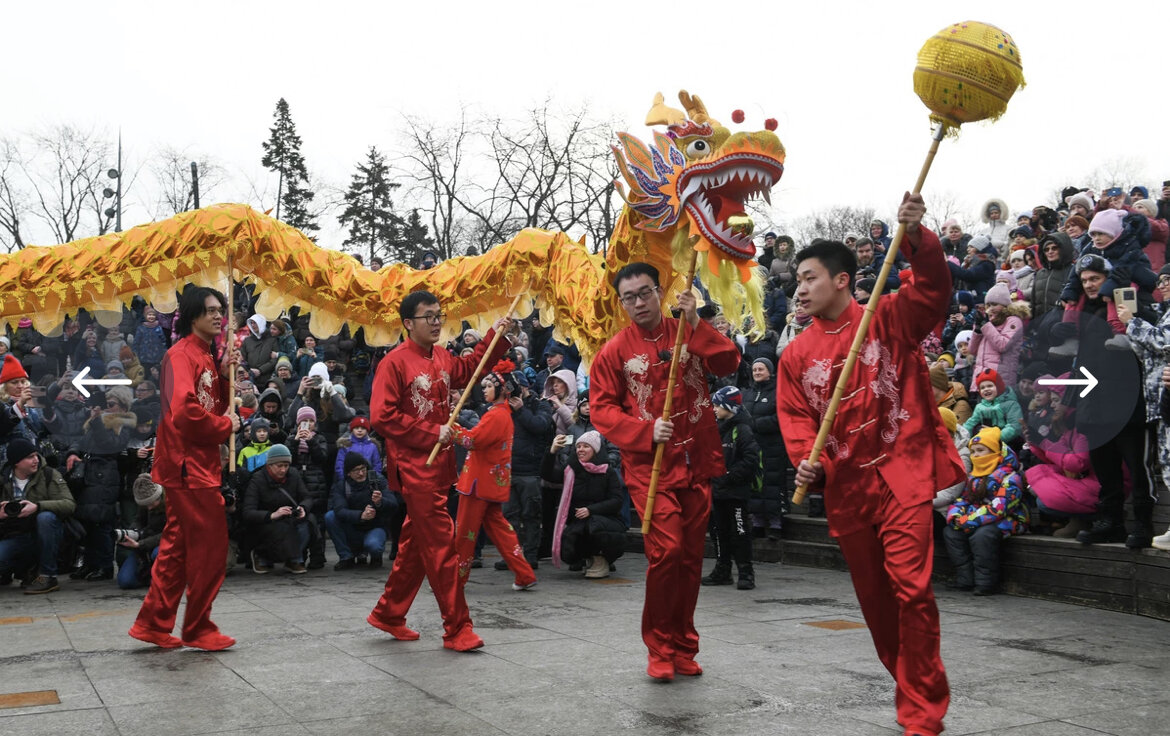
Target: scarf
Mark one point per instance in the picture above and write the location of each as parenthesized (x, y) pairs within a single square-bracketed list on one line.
[(985, 465), (563, 507)]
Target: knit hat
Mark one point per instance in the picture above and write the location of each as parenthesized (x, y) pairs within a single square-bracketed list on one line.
[(939, 378), (319, 370), (867, 285), (998, 294), (1079, 221), (1007, 278), (983, 244), (964, 336), (1057, 389), (1023, 231), (1108, 222), (521, 379), (767, 364), (950, 421), (355, 460), (591, 438), (283, 361), (989, 437), (989, 374), (12, 369), (1094, 263), (1083, 200), (142, 415), (1140, 191), (306, 413), (115, 364), (949, 223), (729, 398), (256, 425), (6, 341), (1150, 207), (1164, 270), (18, 449), (363, 422), (24, 322), (125, 355), (278, 452), (947, 358), (966, 297), (146, 491), (1033, 370), (332, 353)]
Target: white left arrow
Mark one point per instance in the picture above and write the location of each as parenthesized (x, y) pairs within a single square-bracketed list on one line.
[(80, 383)]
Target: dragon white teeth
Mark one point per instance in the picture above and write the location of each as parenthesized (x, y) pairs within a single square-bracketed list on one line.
[(767, 197)]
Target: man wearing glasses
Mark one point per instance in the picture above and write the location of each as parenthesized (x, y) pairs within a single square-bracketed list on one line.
[(627, 392), (409, 407), (196, 419)]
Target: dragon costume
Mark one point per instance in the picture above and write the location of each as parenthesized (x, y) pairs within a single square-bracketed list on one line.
[(687, 189)]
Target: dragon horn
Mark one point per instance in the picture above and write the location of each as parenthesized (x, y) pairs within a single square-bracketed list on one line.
[(660, 114), (695, 108)]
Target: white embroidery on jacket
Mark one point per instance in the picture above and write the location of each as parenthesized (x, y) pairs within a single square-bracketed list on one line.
[(696, 380), (418, 390), (815, 383), (636, 369), (877, 357), (203, 391)]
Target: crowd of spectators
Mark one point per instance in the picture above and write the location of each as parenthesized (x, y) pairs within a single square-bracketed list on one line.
[(1038, 295)]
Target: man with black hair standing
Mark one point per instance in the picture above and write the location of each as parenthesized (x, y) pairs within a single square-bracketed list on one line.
[(409, 407), (628, 390), (888, 452), (196, 419)]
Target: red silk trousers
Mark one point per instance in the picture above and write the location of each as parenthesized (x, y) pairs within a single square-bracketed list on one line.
[(475, 512)]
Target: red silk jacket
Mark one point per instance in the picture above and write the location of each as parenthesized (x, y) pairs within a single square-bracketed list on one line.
[(193, 423), (487, 474), (888, 421), (627, 389)]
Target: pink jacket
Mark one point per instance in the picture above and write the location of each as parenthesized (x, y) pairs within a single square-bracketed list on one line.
[(998, 348)]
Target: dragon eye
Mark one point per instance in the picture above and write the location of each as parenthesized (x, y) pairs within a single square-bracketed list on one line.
[(698, 148)]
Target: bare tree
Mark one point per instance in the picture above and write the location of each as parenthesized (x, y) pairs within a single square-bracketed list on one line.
[(1123, 171), (433, 159), (833, 223), (67, 175), (13, 199), (171, 170), (944, 205)]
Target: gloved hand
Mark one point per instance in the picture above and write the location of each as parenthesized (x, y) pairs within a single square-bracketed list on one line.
[(1062, 331)]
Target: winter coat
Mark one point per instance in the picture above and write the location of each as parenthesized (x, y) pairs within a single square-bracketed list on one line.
[(759, 406), (998, 347), (776, 310), (1156, 251), (275, 538), (534, 429), (1003, 411), (253, 450), (1064, 481), (277, 433), (258, 355), (65, 421), (958, 401), (783, 268), (1151, 343), (741, 455), (997, 230), (951, 248), (884, 239), (46, 488), (333, 413), (111, 347), (349, 499), (609, 451), (994, 499), (601, 493), (977, 273), (104, 439), (563, 415), (366, 447), (1049, 281), (313, 467), (1130, 263), (150, 344), (302, 363), (91, 358), (765, 347)]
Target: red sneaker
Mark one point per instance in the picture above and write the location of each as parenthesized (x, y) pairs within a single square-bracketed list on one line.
[(464, 641), (159, 639), (398, 632), (688, 667), (211, 642), (662, 671)]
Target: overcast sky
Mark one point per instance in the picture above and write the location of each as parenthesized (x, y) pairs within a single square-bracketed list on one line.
[(837, 76)]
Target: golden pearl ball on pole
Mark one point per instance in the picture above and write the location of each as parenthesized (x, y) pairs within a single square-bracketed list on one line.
[(967, 72)]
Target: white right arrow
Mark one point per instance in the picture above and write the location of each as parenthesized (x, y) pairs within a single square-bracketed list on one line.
[(1089, 382), (80, 384)]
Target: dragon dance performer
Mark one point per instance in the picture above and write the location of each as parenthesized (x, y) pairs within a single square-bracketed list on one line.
[(486, 480), (195, 422), (409, 408), (627, 392), (888, 454)]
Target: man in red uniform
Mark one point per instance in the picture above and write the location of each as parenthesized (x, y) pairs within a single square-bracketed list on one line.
[(195, 422), (887, 454), (627, 390), (409, 408)]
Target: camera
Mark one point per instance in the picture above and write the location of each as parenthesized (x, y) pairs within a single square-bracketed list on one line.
[(13, 508), (229, 497), (121, 535)]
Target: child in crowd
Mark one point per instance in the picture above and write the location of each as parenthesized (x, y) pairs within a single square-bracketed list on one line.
[(963, 319), (1118, 237), (144, 538), (252, 455), (731, 491), (989, 508), (1062, 481), (964, 369), (997, 339), (997, 407), (960, 437), (357, 440), (1042, 408)]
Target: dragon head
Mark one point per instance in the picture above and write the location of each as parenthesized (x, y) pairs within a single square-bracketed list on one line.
[(702, 175)]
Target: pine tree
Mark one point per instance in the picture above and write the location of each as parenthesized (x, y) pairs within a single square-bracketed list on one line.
[(282, 155), (369, 209), (416, 238)]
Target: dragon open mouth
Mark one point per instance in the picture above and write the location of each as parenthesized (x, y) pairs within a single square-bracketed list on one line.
[(715, 192)]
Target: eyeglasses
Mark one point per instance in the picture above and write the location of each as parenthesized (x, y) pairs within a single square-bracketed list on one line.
[(1164, 281), (643, 296), (431, 319), (214, 312)]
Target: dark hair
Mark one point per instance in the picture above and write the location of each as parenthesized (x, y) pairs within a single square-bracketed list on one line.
[(412, 302), (192, 306), (634, 270), (833, 255)]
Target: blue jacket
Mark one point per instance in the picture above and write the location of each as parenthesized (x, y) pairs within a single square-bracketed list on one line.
[(1130, 263)]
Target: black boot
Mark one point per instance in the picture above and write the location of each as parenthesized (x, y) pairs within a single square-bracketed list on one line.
[(816, 507), (1142, 536), (1103, 531), (720, 575), (747, 578)]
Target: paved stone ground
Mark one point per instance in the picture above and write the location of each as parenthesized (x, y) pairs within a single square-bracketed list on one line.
[(566, 658)]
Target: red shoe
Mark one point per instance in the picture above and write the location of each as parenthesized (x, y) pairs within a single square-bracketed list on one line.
[(159, 639), (464, 641), (663, 671), (398, 632), (688, 667), (211, 642)]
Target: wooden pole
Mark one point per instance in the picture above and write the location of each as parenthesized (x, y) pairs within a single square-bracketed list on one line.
[(474, 379), (863, 328), (229, 344), (668, 404)]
